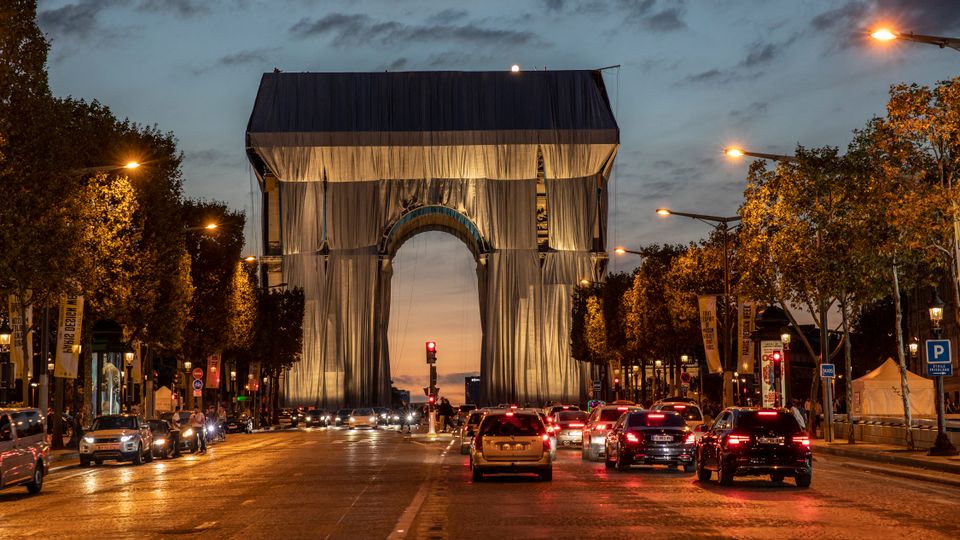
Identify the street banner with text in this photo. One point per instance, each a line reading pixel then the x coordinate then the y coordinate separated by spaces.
pixel 213 371
pixel 137 363
pixel 18 355
pixel 68 336
pixel 746 324
pixel 708 327
pixel 769 392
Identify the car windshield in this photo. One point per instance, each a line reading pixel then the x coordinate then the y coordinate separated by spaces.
pixel 114 422
pixel 362 412
pixel 655 419
pixel 518 425
pixel 158 427
pixel 686 411
pixel 778 421
pixel 612 415
pixel 571 416
pixel 343 412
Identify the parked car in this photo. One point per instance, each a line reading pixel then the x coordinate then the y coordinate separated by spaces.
pixel 650 438
pixel 752 442
pixel 163 439
pixel 594 437
pixel 121 437
pixel 569 427
pixel 238 424
pixel 511 442
pixel 469 430
pixel 362 418
pixel 24 452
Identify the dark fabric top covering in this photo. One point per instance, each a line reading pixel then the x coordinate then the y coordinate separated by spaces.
pixel 435 101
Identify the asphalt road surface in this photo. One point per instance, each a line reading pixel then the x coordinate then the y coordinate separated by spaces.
pixel 322 483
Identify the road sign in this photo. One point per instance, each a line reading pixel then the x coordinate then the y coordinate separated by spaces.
pixel 685 378
pixel 197 384
pixel 198 393
pixel 828 371
pixel 938 351
pixel 596 387
pixel 197 373
pixel 940 370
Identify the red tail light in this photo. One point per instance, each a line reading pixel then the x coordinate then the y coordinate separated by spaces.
pixel 656 416
pixel 546 442
pixel 623 408
pixel 566 407
pixel 509 414
pixel 767 413
pixel 680 407
pixel 600 427
pixel 802 440
pixel 735 440
pixel 690 439
pixel 632 438
pixel 576 424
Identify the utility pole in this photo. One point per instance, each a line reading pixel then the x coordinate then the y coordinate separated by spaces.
pixel 432 389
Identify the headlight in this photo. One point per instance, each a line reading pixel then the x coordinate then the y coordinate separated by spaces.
pixel 308 419
pixel 126 438
pixel 383 415
pixel 373 418
pixel 409 418
pixel 188 432
pixel 160 442
pixel 209 429
pixel 351 419
pixel 88 439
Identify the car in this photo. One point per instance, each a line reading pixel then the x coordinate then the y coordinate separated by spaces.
pixel 676 399
pixel 120 437
pixel 569 427
pixel 238 424
pixel 188 439
pixel 469 430
pixel 650 438
pixel 362 418
pixel 163 439
pixel 511 442
pixel 341 417
pixel 316 418
pixel 750 441
pixel 690 412
pixel 553 410
pixel 24 452
pixel 383 415
pixel 288 414
pixel 594 436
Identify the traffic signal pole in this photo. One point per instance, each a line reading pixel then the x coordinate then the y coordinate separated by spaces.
pixel 432 389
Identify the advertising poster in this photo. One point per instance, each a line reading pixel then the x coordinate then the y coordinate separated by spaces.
pixel 768 393
pixel 746 324
pixel 708 327
pixel 68 337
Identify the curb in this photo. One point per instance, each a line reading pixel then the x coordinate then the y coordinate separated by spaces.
pixel 903 461
pixel 911 475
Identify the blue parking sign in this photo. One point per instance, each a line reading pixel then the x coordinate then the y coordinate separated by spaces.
pixel 828 371
pixel 939 358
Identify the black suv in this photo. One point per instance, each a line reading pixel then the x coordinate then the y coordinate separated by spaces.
pixel 648 438
pixel 755 442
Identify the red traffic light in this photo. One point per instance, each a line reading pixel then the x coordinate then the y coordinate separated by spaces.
pixel 431 346
pixel 616 381
pixel 432 399
pixel 777 356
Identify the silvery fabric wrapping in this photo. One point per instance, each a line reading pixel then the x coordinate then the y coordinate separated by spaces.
pixel 367 160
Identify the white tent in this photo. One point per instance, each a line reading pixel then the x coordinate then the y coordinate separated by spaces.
pixel 163 400
pixel 878 393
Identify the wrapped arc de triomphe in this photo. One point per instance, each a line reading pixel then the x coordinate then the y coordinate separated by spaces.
pixel 351 165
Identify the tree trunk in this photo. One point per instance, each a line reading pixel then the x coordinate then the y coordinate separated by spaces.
pixel 901 359
pixel 275 398
pixel 845 312
pixel 814 386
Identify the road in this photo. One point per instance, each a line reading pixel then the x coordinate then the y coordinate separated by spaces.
pixel 322 483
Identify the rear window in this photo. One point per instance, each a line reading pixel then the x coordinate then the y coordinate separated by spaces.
pixel 567 416
pixel 475 418
pixel 518 425
pixel 611 415
pixel 114 422
pixel 688 412
pixel 778 421
pixel 655 419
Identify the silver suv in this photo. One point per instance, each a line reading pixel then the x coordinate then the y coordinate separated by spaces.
pixel 123 437
pixel 24 452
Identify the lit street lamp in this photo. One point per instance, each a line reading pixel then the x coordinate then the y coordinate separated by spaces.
pixel 722 225
pixel 621 251
pixel 736 152
pixel 942 446
pixel 6 380
pixel 885 35
pixel 130 165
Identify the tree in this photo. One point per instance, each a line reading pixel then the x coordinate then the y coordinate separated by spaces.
pixel 278 336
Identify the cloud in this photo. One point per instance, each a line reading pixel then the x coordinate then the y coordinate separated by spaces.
pixel 654 15
pixel 359 29
pixel 665 21
pixel 210 156
pixel 78 20
pixel 239 58
pixel 448 379
pixel 397 64
pixel 711 75
pixel 447 16
pixel 748 114
pixel 181 8
pixel 554 6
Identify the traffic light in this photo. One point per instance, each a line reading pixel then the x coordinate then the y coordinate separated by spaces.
pixel 616 383
pixel 431 399
pixel 431 352
pixel 777 357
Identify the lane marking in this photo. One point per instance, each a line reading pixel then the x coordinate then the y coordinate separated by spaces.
pixel 205 525
pixel 402 527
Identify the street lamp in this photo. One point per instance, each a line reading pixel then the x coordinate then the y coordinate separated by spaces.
pixel 737 152
pixel 620 251
pixel 6 334
pixel 885 35
pixel 657 375
pixel 942 446
pixel 722 225
pixel 736 379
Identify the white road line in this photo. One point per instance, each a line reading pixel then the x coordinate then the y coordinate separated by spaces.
pixel 205 525
pixel 402 528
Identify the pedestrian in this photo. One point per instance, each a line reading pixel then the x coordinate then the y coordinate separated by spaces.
pixel 77 429
pixel 197 423
pixel 445 410
pixel 175 431
pixel 795 410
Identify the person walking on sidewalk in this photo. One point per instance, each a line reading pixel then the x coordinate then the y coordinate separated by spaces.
pixel 198 422
pixel 795 410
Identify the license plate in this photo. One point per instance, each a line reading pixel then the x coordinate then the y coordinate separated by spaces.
pixel 508 446
pixel 107 447
pixel 770 440
pixel 232 425
pixel 661 438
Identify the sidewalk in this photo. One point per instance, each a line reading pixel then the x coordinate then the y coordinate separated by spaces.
pixel 907 463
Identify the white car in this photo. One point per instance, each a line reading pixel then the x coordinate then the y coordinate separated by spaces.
pixel 690 412
pixel 362 418
pixel 122 437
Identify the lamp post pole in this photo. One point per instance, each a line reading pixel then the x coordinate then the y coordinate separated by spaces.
pixel 942 446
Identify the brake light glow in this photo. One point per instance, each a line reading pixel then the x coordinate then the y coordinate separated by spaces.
pixel 576 424
pixel 690 439
pixel 622 408
pixel 802 439
pixel 656 416
pixel 632 438
pixel 737 439
pixel 546 442
pixel 545 437
pixel 566 407
pixel 509 414
pixel 681 407
pixel 600 427
pixel 767 413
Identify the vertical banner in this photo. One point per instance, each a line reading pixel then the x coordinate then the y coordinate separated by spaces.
pixel 18 355
pixel 768 394
pixel 708 327
pixel 213 371
pixel 68 336
pixel 746 324
pixel 254 381
pixel 137 372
